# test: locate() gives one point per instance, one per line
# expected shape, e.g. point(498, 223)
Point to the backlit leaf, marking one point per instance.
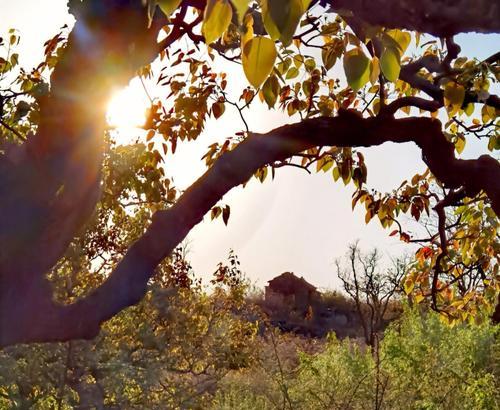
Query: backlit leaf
point(402, 38)
point(281, 18)
point(258, 58)
point(460, 143)
point(270, 91)
point(454, 95)
point(390, 64)
point(168, 6)
point(357, 68)
point(216, 20)
point(374, 69)
point(241, 7)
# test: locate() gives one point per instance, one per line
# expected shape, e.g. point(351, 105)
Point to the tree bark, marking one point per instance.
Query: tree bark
point(441, 18)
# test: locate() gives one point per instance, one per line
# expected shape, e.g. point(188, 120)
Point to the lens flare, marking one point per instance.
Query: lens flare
point(127, 108)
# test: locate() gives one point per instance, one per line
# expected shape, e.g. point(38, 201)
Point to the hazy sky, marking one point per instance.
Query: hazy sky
point(298, 222)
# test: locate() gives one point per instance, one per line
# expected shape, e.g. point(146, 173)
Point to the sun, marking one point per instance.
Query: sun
point(127, 107)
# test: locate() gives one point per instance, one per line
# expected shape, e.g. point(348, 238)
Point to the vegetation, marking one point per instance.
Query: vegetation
point(370, 288)
point(398, 86)
point(99, 307)
point(213, 358)
point(169, 351)
point(425, 365)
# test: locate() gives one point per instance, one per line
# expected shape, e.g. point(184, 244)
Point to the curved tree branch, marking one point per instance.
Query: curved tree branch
point(127, 284)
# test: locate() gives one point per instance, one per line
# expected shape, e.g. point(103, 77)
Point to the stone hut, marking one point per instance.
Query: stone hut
point(291, 290)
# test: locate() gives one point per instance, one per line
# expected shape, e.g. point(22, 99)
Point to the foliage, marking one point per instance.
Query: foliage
point(89, 229)
point(438, 366)
point(347, 78)
point(171, 350)
point(381, 70)
point(425, 364)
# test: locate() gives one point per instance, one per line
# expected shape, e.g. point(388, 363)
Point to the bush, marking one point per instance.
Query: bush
point(424, 364)
point(431, 365)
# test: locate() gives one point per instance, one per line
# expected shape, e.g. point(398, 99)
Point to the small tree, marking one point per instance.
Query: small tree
point(371, 288)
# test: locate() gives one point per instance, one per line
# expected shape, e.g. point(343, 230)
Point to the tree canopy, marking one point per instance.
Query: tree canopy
point(404, 81)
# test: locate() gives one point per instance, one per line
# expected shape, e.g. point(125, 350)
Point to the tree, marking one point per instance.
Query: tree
point(170, 350)
point(52, 140)
point(370, 288)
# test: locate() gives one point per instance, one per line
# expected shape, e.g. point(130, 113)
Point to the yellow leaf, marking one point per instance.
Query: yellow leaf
point(216, 19)
point(454, 95)
point(357, 68)
point(247, 30)
point(168, 6)
point(401, 37)
point(269, 24)
point(241, 7)
point(258, 58)
point(469, 110)
point(408, 285)
point(305, 4)
point(374, 69)
point(460, 143)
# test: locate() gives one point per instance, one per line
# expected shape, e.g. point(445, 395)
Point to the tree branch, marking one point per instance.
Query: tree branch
point(127, 284)
point(441, 18)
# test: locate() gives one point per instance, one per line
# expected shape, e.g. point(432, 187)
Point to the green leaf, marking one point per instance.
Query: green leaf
point(336, 173)
point(269, 24)
point(258, 58)
point(494, 143)
point(216, 19)
point(281, 18)
point(357, 68)
point(390, 64)
point(168, 6)
point(469, 109)
point(241, 7)
point(270, 91)
point(292, 73)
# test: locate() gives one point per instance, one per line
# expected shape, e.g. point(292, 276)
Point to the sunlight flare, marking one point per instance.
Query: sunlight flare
point(127, 107)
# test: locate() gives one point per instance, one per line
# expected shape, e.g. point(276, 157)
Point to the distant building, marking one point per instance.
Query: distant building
point(291, 290)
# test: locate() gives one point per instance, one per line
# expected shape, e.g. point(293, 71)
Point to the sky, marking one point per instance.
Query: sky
point(298, 222)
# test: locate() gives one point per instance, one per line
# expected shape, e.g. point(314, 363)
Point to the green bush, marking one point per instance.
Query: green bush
point(424, 364)
point(431, 365)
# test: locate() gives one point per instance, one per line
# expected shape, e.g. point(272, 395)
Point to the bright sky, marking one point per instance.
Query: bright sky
point(298, 222)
